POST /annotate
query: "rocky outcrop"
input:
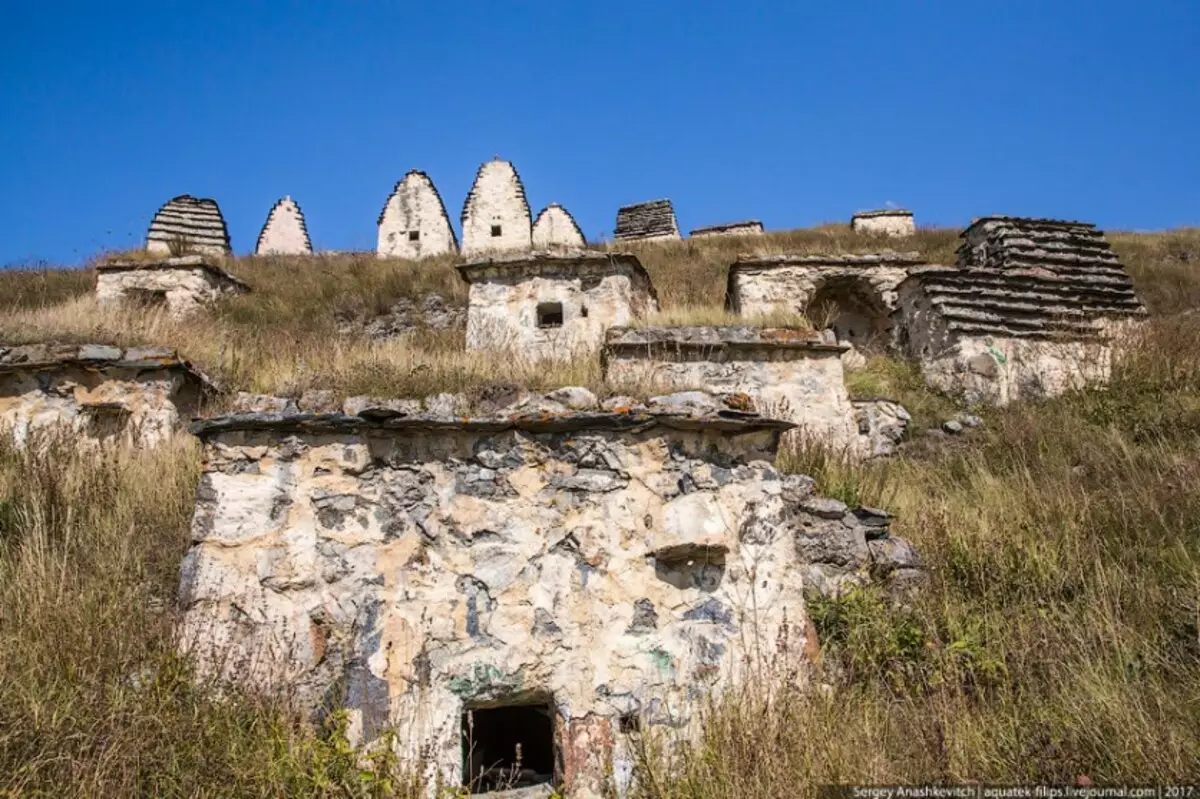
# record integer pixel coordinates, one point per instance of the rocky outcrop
(884, 222)
(750, 227)
(413, 223)
(646, 221)
(284, 232)
(554, 305)
(98, 393)
(495, 215)
(465, 576)
(182, 284)
(188, 224)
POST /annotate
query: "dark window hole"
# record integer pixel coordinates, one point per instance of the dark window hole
(629, 723)
(583, 312)
(508, 747)
(495, 231)
(414, 235)
(549, 314)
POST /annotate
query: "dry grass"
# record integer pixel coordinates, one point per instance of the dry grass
(1060, 634)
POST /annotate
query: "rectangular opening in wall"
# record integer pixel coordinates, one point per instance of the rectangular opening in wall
(495, 231)
(508, 747)
(549, 314)
(146, 298)
(414, 235)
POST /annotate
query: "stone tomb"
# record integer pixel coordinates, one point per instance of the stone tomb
(413, 223)
(1030, 311)
(788, 373)
(646, 222)
(885, 222)
(853, 294)
(751, 227)
(188, 224)
(181, 284)
(495, 215)
(284, 232)
(546, 584)
(137, 396)
(549, 305)
(556, 229)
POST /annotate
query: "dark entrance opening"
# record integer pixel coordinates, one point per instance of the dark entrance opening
(508, 747)
(146, 298)
(549, 314)
(854, 310)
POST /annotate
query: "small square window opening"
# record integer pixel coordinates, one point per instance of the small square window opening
(549, 314)
(495, 231)
(414, 235)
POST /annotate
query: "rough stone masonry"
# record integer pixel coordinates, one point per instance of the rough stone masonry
(187, 224)
(413, 223)
(181, 284)
(495, 215)
(548, 580)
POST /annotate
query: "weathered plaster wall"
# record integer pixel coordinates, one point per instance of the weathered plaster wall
(184, 284)
(555, 228)
(495, 216)
(994, 368)
(99, 393)
(884, 223)
(284, 232)
(595, 293)
(415, 208)
(616, 565)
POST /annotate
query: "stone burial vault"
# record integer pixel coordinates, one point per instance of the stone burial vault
(885, 222)
(646, 221)
(181, 284)
(100, 393)
(788, 373)
(553, 305)
(1030, 311)
(556, 229)
(188, 224)
(513, 595)
(853, 294)
(284, 232)
(751, 227)
(413, 223)
(495, 215)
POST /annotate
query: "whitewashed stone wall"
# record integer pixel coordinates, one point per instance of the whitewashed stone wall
(495, 216)
(887, 222)
(97, 393)
(414, 223)
(284, 232)
(183, 284)
(187, 224)
(508, 302)
(786, 373)
(751, 227)
(556, 229)
(621, 567)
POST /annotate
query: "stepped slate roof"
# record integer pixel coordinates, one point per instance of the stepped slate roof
(196, 219)
(646, 220)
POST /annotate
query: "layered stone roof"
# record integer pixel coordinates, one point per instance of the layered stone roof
(49, 356)
(195, 220)
(654, 219)
(173, 263)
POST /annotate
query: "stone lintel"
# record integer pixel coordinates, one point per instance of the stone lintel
(52, 356)
(633, 421)
(175, 262)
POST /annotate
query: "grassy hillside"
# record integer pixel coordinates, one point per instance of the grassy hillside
(1060, 635)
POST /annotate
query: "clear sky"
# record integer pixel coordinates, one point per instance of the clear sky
(794, 113)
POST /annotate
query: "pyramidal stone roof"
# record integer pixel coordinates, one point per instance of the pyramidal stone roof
(555, 227)
(1031, 278)
(654, 219)
(415, 206)
(495, 215)
(284, 232)
(194, 222)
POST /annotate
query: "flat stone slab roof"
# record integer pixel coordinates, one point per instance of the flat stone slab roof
(718, 337)
(910, 259)
(746, 223)
(551, 261)
(51, 355)
(883, 212)
(175, 262)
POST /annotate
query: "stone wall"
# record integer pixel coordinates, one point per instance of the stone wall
(614, 568)
(188, 224)
(556, 229)
(137, 396)
(413, 223)
(554, 305)
(646, 221)
(495, 215)
(787, 373)
(751, 227)
(181, 284)
(852, 293)
(284, 232)
(886, 222)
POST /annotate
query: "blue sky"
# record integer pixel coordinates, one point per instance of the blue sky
(791, 112)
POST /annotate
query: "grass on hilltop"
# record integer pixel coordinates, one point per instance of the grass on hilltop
(1059, 635)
